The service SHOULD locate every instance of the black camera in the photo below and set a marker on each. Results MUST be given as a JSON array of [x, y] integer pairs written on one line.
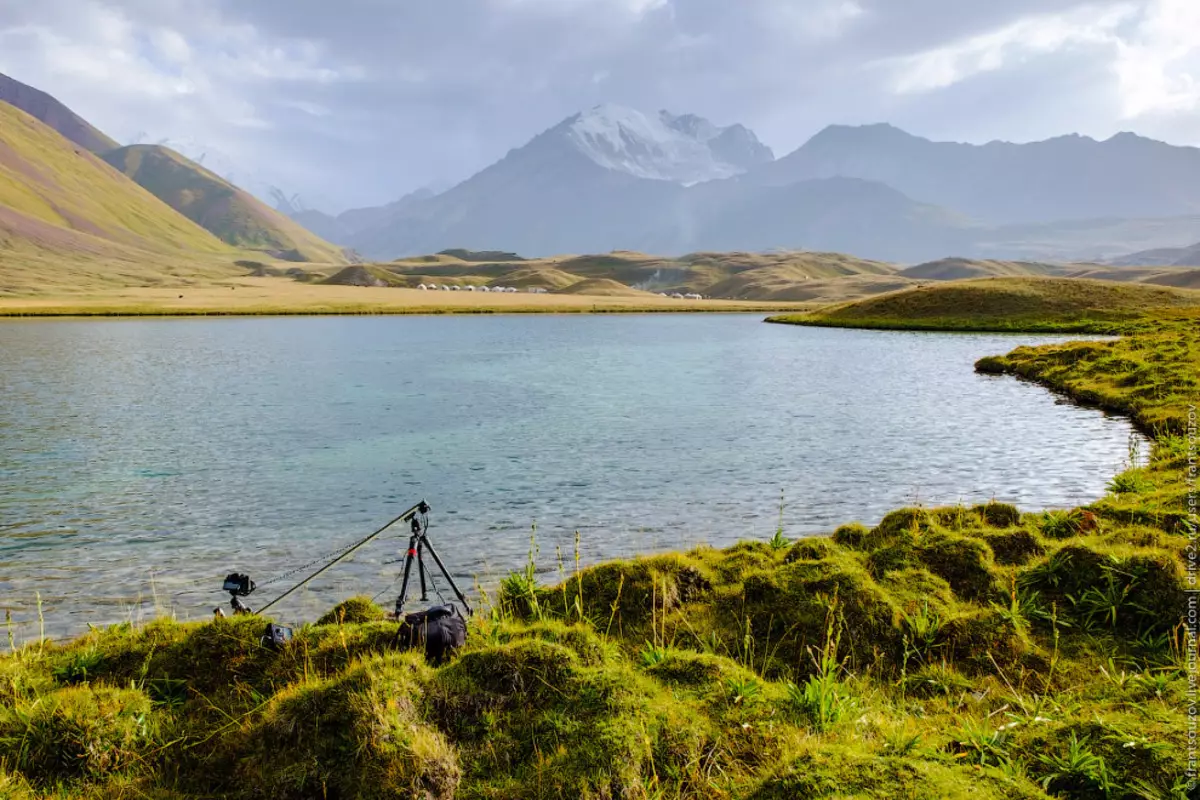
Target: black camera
[[238, 584]]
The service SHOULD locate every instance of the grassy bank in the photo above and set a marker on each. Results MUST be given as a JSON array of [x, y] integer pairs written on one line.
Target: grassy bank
[[1003, 305], [945, 653], [275, 296]]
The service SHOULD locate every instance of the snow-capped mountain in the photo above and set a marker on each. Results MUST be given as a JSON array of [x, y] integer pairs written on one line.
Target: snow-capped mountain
[[684, 149]]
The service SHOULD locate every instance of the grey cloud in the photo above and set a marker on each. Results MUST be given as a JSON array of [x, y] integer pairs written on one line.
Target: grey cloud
[[361, 101]]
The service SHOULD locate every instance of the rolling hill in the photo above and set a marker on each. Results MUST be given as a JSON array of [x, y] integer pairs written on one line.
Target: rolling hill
[[54, 114], [1003, 304], [233, 215], [782, 275], [957, 269], [603, 287], [68, 218]]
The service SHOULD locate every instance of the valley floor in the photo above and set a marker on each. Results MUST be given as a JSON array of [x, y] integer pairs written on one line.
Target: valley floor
[[250, 296]]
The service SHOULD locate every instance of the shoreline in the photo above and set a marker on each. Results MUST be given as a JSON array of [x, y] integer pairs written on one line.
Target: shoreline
[[254, 297], [945, 652], [6, 314]]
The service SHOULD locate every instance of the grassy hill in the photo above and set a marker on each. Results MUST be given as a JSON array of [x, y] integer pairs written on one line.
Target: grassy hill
[[737, 275], [956, 269], [1004, 304], [55, 115], [233, 215], [363, 275], [603, 287], [67, 218]]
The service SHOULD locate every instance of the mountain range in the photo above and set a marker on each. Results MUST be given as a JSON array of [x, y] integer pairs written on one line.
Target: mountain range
[[614, 177]]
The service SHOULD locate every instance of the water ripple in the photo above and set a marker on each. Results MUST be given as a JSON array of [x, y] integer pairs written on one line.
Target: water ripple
[[145, 459]]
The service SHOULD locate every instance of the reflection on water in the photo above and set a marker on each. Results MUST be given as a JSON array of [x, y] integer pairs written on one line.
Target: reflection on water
[[138, 458]]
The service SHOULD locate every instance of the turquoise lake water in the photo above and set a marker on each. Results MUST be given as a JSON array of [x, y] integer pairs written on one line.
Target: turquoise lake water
[[142, 460]]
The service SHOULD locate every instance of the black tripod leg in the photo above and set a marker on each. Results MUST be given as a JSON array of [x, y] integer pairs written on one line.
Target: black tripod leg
[[408, 561], [421, 571], [461, 598]]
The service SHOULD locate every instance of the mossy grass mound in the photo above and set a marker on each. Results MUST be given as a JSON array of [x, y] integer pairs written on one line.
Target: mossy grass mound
[[355, 610], [534, 720], [78, 733], [1014, 547], [357, 735], [616, 595]]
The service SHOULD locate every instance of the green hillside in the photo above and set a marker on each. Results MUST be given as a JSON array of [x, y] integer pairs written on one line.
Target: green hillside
[[231, 214], [51, 192], [1005, 304], [67, 219]]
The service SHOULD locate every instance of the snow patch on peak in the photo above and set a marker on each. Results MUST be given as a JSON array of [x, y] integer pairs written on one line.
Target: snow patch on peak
[[657, 147]]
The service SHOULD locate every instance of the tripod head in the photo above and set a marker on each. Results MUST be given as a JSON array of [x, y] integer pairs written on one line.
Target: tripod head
[[239, 586]]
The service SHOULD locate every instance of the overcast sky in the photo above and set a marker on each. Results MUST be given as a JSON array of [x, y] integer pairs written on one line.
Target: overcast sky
[[357, 102]]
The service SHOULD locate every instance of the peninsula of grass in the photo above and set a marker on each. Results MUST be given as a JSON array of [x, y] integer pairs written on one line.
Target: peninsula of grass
[[1003, 305], [944, 653]]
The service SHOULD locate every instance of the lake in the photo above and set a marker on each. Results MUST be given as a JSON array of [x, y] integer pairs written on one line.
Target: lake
[[142, 460]]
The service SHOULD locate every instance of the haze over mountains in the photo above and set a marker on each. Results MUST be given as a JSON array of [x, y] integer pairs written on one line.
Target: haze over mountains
[[616, 178]]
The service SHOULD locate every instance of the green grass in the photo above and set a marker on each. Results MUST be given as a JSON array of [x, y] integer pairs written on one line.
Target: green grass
[[1063, 305], [960, 652]]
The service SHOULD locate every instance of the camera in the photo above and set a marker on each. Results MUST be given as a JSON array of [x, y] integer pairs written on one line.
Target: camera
[[238, 585]]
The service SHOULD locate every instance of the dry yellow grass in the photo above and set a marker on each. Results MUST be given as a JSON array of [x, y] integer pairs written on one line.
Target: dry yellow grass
[[246, 295]]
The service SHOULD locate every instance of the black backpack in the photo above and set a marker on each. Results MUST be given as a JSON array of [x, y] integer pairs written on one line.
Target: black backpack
[[440, 630]]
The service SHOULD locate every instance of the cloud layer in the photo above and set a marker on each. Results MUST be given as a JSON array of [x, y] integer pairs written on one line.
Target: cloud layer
[[358, 102]]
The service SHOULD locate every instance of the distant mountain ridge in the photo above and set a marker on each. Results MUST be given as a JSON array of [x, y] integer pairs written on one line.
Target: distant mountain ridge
[[616, 178], [1000, 183], [1160, 257]]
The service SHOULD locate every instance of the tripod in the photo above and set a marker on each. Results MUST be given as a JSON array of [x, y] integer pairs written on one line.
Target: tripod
[[417, 544]]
